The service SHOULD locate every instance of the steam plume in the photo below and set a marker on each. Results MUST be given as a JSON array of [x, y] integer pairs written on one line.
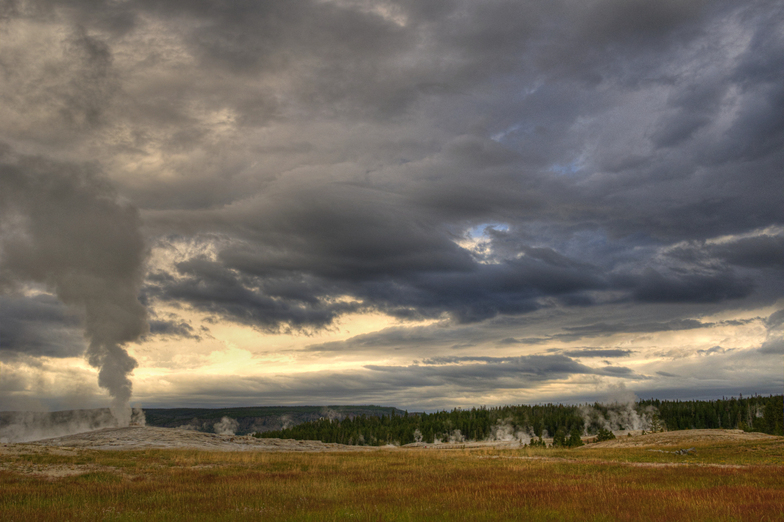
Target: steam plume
[[28, 426], [62, 225], [505, 431], [226, 426], [621, 412]]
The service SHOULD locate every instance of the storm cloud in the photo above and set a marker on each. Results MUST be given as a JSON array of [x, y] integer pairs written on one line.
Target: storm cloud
[[493, 179]]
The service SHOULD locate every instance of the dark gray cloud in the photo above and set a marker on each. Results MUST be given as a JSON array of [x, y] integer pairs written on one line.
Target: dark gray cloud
[[399, 337], [773, 347], [457, 161], [755, 252], [774, 343], [525, 340], [211, 287], [654, 287], [713, 350], [775, 319], [39, 326], [498, 372], [602, 329], [173, 328]]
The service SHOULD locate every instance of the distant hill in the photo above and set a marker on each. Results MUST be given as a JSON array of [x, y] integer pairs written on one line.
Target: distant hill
[[242, 421]]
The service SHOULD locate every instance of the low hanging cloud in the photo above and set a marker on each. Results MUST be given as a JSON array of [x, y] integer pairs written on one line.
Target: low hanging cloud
[[415, 386], [520, 370]]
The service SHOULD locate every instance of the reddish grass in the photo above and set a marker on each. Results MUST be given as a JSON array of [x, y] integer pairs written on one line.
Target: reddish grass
[[384, 485]]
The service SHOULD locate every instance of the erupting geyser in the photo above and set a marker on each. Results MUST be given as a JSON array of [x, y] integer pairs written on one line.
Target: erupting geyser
[[63, 226]]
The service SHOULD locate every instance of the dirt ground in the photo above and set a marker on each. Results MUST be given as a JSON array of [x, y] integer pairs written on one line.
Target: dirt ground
[[139, 438]]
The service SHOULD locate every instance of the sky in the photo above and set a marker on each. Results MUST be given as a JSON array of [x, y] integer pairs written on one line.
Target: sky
[[415, 203]]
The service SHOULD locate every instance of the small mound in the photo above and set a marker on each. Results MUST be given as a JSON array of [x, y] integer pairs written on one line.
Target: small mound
[[683, 438]]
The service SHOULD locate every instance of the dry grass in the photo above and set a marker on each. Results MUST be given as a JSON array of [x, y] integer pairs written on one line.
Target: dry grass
[[731, 482]]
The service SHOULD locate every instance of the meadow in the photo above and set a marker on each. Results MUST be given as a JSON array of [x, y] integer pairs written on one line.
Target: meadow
[[728, 481]]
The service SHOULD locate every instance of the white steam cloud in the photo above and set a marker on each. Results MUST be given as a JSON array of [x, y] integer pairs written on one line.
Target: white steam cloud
[[329, 413], [504, 431], [29, 426], [619, 412], [226, 426]]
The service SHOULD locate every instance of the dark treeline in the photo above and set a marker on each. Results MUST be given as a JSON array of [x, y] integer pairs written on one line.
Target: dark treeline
[[762, 414], [456, 425], [564, 423]]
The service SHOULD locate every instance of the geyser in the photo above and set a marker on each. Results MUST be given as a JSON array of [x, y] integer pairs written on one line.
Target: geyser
[[63, 225]]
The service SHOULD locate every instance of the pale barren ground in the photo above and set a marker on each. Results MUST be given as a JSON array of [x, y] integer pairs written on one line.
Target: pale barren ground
[[138, 437], [146, 437], [142, 438]]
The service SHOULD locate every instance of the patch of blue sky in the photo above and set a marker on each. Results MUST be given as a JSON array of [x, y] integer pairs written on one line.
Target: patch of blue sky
[[481, 231]]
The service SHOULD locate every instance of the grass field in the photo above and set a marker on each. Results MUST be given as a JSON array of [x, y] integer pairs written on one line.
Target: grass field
[[731, 481]]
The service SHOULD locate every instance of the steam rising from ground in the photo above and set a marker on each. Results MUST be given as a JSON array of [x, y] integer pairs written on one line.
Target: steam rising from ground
[[619, 412], [226, 426], [329, 413], [30, 426], [505, 432], [62, 225]]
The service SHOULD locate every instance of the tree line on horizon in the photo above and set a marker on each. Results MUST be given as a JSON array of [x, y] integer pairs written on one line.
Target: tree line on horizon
[[755, 413], [530, 424]]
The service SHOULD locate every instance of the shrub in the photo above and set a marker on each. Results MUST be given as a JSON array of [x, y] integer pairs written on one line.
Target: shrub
[[604, 434]]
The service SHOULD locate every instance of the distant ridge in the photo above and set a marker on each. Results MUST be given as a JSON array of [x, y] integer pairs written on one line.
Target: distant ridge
[[252, 419]]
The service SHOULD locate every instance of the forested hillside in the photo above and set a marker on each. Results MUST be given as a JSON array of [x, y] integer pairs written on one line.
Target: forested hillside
[[527, 423], [246, 420]]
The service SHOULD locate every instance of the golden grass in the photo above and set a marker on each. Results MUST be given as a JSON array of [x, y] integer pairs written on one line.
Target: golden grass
[[601, 484]]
